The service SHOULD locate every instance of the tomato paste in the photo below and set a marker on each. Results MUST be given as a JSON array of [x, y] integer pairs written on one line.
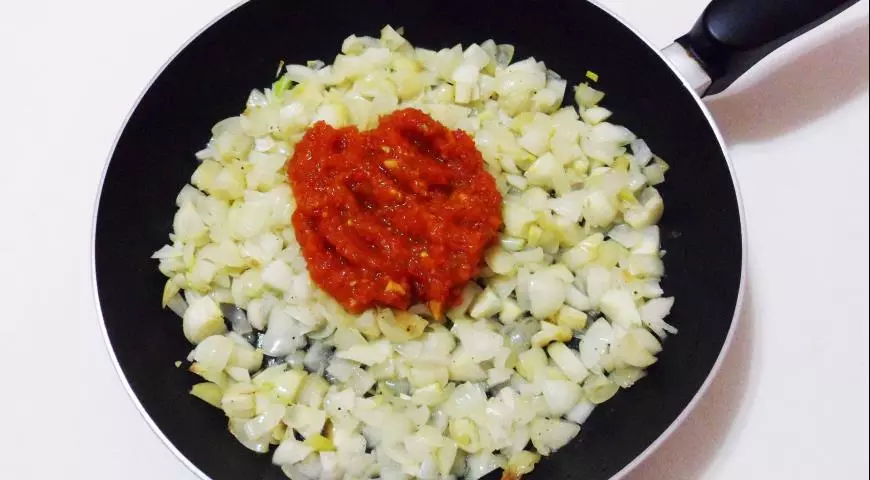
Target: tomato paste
[[394, 216]]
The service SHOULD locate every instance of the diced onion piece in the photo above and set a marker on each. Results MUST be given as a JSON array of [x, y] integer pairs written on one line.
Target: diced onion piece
[[595, 115], [598, 282], [568, 361], [469, 294], [290, 452], [618, 305], [464, 432], [598, 389], [500, 261], [640, 265], [368, 354], [653, 313], [577, 299], [429, 395], [546, 293], [545, 171], [595, 342], [208, 392], [598, 210], [569, 205], [446, 456], [648, 212], [478, 341], [627, 376], [530, 255], [549, 435], [584, 252], [580, 412], [641, 151], [279, 276], [187, 225], [512, 244], [238, 401], [486, 305], [213, 353], [259, 445], [551, 333], [561, 396], [646, 339], [245, 356], [400, 327], [239, 374], [313, 391], [425, 375], [320, 443], [516, 218], [308, 421], [263, 423], [170, 290], [288, 383], [628, 351], [203, 319], [510, 311], [482, 463], [570, 317], [587, 96], [531, 363], [521, 463]]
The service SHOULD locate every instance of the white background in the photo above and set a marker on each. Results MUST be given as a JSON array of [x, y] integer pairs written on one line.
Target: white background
[[791, 401]]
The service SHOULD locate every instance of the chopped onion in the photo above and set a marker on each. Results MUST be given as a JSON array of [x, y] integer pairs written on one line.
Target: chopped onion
[[595, 342], [202, 319], [284, 334], [368, 354], [213, 353], [481, 464], [548, 435], [546, 292], [260, 445], [579, 257], [568, 361], [290, 451], [580, 412], [618, 305], [307, 421], [653, 313], [260, 425], [598, 389], [208, 392]]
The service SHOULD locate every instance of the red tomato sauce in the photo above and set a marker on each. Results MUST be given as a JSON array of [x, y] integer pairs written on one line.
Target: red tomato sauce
[[394, 216]]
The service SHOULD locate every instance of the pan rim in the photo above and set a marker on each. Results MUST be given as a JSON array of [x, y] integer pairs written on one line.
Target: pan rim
[[741, 290], [640, 458]]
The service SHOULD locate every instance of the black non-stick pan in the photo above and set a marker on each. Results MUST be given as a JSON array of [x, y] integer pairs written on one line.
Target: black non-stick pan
[[702, 230]]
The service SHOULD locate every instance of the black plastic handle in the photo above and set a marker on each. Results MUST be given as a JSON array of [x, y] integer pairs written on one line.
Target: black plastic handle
[[733, 35]]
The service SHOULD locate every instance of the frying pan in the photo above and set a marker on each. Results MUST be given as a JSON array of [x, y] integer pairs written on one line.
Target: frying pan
[[702, 230]]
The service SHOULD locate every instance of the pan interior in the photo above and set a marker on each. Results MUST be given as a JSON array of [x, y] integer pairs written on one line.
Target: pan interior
[[210, 80]]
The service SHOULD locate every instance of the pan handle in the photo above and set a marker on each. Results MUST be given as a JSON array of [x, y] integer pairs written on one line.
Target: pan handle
[[733, 35]]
